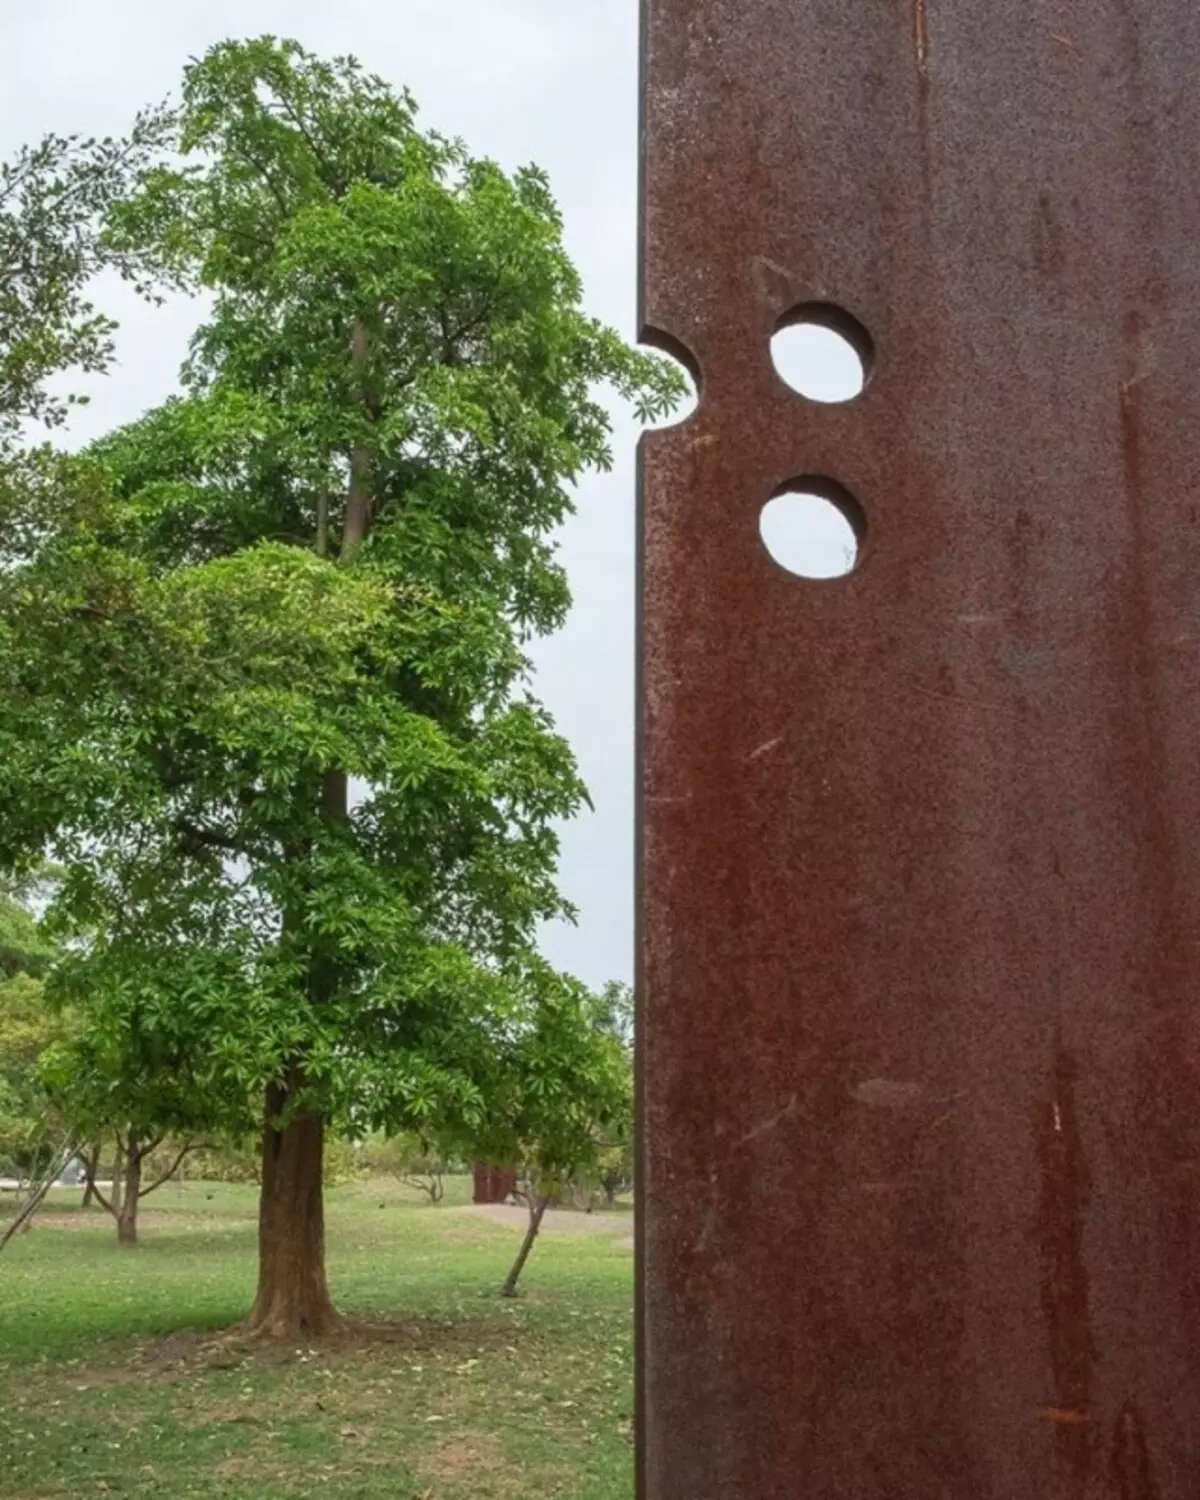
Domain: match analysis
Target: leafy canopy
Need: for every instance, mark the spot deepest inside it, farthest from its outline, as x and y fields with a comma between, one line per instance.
x=54, y=196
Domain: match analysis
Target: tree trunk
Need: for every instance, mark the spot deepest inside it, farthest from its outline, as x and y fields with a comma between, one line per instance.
x=116, y=1189
x=127, y=1214
x=93, y=1166
x=293, y=1295
x=322, y=543
x=537, y=1212
x=357, y=521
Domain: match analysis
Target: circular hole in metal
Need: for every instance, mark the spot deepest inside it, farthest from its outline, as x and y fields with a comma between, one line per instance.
x=823, y=352
x=814, y=528
x=681, y=356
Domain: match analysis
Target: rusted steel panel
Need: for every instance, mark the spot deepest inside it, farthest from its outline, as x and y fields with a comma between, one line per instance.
x=920, y=847
x=492, y=1184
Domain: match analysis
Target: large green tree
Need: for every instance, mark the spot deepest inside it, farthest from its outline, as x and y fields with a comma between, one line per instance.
x=268, y=698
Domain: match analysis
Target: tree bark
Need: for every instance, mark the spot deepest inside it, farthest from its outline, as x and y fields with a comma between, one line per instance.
x=322, y=543
x=293, y=1294
x=357, y=520
x=116, y=1188
x=537, y=1212
x=127, y=1211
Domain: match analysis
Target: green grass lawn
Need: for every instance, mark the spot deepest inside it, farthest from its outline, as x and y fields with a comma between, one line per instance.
x=119, y=1376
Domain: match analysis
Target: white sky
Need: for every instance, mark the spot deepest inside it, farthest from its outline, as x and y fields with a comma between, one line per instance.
x=551, y=81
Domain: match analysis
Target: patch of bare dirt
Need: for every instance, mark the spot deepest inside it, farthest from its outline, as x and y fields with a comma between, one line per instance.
x=253, y=1469
x=181, y=1356
x=146, y=1220
x=556, y=1221
x=470, y=1462
x=463, y=1453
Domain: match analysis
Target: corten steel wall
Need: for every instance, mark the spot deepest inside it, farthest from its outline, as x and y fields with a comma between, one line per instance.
x=492, y=1184
x=920, y=847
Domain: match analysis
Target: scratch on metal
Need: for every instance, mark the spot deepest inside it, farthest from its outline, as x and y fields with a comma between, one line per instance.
x=772, y=1123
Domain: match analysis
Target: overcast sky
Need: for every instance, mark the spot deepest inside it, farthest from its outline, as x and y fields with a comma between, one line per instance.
x=551, y=81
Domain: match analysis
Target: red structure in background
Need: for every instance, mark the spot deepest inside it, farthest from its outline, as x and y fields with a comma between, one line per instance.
x=493, y=1184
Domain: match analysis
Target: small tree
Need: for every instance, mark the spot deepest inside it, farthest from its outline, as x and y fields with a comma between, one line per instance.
x=562, y=1087
x=133, y=1072
x=614, y=1170
x=610, y=1169
x=129, y=1185
x=418, y=1165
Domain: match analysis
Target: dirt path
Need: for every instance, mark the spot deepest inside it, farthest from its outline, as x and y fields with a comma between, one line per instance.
x=557, y=1221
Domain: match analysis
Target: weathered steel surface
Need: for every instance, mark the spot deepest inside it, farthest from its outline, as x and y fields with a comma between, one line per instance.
x=492, y=1184
x=921, y=847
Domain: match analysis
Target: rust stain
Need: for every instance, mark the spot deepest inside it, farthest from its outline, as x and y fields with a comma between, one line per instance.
x=1049, y=255
x=1065, y=1192
x=1141, y=659
x=1127, y=400
x=921, y=34
x=1132, y=1476
x=1063, y=1417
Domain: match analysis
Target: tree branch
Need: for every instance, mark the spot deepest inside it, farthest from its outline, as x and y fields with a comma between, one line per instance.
x=38, y=1194
x=89, y=1173
x=206, y=838
x=357, y=519
x=265, y=173
x=297, y=120
x=152, y=1146
x=322, y=546
x=175, y=1165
